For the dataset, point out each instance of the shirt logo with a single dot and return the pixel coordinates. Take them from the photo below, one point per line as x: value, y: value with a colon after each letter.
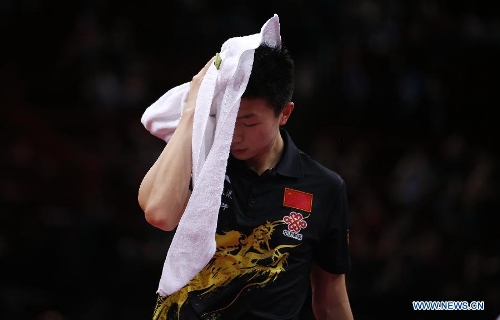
x: 297, y: 199
x: 295, y: 222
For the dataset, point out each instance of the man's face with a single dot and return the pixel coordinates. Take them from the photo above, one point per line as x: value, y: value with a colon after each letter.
x: 256, y: 129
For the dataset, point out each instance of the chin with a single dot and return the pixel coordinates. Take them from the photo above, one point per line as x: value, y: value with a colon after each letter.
x: 240, y: 154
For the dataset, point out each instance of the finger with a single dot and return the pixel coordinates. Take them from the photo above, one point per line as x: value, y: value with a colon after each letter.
x: 205, y: 68
x: 196, y: 81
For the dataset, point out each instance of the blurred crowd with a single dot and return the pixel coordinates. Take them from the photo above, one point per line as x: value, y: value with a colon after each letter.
x: 396, y: 96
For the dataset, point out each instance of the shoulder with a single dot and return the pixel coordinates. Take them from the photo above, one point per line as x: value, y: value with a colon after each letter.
x: 314, y: 170
x: 296, y: 163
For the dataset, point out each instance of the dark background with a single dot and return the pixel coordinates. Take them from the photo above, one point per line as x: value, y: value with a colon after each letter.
x: 399, y: 97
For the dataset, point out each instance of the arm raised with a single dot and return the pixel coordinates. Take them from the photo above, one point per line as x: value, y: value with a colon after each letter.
x: 164, y: 190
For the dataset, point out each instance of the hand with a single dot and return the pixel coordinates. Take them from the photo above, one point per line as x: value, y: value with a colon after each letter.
x: 194, y: 87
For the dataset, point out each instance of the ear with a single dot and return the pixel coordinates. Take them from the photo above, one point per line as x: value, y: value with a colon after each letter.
x: 285, y: 114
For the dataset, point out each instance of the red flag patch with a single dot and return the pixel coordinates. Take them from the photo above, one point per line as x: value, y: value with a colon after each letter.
x: 298, y: 199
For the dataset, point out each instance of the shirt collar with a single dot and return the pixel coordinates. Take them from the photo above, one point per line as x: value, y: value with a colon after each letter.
x: 290, y: 164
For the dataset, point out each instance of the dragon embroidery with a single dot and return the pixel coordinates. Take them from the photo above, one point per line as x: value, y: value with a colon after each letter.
x: 236, y: 256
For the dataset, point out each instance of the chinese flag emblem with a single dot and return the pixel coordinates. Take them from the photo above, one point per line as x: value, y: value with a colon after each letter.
x: 298, y: 199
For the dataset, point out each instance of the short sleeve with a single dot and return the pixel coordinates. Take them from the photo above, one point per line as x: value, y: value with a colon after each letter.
x: 332, y: 251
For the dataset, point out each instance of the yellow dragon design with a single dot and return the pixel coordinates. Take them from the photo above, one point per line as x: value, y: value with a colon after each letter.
x: 237, y: 255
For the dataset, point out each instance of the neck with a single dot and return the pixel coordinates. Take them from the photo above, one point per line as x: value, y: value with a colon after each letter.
x: 269, y: 159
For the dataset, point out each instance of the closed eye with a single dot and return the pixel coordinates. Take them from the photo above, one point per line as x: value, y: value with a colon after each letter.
x: 250, y: 124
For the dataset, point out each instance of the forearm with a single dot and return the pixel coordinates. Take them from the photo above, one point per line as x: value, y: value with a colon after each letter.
x: 329, y: 299
x: 338, y: 311
x: 164, y: 191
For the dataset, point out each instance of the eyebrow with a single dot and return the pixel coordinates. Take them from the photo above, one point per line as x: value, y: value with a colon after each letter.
x: 247, y: 116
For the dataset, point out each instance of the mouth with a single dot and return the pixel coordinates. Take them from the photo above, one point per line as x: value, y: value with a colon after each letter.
x: 237, y: 149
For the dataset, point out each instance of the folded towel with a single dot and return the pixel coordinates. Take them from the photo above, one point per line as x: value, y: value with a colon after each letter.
x: 217, y: 105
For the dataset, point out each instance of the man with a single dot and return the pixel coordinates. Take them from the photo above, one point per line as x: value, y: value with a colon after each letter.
x: 282, y: 230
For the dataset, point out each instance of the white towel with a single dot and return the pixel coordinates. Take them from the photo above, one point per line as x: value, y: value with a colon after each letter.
x: 217, y: 105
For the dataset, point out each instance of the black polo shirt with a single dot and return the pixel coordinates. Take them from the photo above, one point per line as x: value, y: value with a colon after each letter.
x: 270, y: 229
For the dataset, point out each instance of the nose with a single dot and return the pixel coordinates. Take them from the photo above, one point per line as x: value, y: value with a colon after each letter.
x: 237, y: 134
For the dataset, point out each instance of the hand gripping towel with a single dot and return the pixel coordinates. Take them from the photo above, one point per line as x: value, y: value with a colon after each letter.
x: 217, y: 104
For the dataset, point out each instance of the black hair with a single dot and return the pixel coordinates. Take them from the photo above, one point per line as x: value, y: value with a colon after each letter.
x: 272, y: 77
